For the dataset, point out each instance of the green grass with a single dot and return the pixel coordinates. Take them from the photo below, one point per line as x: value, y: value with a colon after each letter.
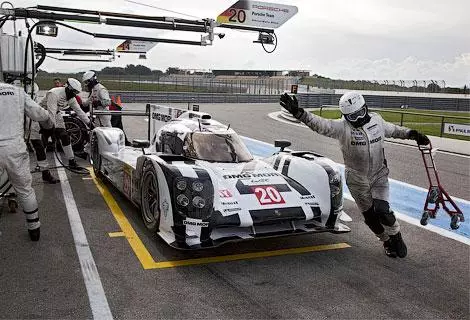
x: 425, y: 122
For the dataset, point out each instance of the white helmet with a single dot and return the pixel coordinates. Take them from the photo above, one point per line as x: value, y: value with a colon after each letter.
x: 74, y: 85
x: 87, y: 76
x: 354, y: 108
x: 351, y: 102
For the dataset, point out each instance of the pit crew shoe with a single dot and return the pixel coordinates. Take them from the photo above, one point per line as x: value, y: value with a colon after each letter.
x: 399, y: 245
x: 48, y: 177
x: 34, y: 234
x: 73, y: 164
x: 389, y: 249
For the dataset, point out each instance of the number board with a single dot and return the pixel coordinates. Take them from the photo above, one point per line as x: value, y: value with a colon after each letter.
x: 257, y: 14
x: 267, y: 195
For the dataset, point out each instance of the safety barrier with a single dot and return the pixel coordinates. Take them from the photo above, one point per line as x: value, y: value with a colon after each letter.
x: 185, y: 97
x: 376, y: 101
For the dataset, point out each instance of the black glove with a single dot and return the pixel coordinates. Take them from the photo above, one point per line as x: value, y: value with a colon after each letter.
x: 420, y: 138
x: 292, y: 105
x: 96, y: 103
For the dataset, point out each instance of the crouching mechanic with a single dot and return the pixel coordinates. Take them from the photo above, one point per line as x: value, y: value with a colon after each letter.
x: 14, y: 157
x: 56, y: 100
x: 361, y: 135
x: 99, y: 97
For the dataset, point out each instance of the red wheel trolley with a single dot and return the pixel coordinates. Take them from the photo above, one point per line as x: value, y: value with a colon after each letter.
x: 437, y: 196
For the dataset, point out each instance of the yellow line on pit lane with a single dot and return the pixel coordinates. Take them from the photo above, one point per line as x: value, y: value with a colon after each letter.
x: 246, y: 256
x: 148, y: 262
x: 136, y: 244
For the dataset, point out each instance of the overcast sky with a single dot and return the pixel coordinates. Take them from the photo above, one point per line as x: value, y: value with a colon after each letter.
x: 342, y: 39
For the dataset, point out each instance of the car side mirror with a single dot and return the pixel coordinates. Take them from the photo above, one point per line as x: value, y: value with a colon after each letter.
x: 282, y: 144
x: 137, y: 143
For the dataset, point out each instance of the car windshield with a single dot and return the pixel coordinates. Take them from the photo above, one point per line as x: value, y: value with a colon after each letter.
x: 210, y: 146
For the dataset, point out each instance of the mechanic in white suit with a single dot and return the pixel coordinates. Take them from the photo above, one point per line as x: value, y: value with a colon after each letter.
x: 58, y: 99
x: 36, y: 141
x: 361, y: 136
x: 99, y: 97
x: 14, y: 104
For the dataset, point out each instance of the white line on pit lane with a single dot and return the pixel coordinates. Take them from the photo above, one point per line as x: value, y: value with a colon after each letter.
x: 402, y: 216
x: 414, y: 221
x: 275, y: 116
x: 96, y: 296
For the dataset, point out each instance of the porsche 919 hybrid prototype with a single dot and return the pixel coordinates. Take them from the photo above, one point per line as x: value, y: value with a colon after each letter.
x: 197, y: 185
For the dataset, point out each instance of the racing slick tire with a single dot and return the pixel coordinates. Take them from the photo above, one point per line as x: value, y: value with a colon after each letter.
x: 95, y: 156
x: 149, y: 197
x: 77, y: 131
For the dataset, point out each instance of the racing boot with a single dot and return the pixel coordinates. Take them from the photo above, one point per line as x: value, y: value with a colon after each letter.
x: 73, y: 164
x: 48, y: 177
x: 389, y: 249
x: 399, y: 245
x: 34, y: 234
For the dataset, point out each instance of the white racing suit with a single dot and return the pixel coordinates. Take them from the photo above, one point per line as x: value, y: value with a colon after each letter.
x: 14, y: 158
x: 55, y: 101
x: 365, y: 165
x: 99, y: 99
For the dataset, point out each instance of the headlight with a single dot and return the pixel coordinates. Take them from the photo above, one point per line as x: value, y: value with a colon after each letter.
x: 181, y: 185
x: 182, y: 200
x: 335, y: 178
x: 334, y: 190
x: 199, y: 202
x: 198, y: 186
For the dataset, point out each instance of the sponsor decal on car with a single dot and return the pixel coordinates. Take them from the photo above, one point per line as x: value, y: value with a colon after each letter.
x: 250, y: 175
x: 161, y: 117
x: 127, y: 180
x: 224, y: 193
x: 165, y: 207
x: 195, y: 223
x: 230, y: 203
x: 232, y: 209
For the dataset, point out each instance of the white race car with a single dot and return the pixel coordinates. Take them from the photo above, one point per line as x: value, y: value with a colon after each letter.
x: 197, y: 185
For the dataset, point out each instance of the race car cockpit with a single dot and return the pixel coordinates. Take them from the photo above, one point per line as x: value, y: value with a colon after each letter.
x: 217, y: 147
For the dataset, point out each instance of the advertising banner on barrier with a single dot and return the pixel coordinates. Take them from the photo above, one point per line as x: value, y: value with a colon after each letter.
x: 457, y: 128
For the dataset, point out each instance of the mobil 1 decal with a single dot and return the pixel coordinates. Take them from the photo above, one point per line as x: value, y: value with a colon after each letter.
x: 257, y: 14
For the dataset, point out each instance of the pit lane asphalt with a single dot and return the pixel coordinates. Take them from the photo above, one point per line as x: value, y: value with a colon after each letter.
x: 43, y: 280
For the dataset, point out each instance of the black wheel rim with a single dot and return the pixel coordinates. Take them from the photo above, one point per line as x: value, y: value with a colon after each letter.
x: 150, y: 198
x: 75, y: 132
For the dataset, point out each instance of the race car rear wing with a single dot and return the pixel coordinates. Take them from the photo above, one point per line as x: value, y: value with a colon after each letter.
x: 160, y: 115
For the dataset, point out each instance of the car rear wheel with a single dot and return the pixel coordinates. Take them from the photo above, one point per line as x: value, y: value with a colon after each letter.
x: 150, y: 199
x: 77, y: 132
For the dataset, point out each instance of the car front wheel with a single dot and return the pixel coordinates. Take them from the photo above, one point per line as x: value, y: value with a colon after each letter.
x: 150, y: 200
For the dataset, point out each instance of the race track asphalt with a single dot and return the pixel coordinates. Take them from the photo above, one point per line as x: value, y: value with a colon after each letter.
x: 44, y: 280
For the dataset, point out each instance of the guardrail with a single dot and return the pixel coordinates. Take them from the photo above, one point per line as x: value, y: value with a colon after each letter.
x: 193, y: 97
x: 374, y: 101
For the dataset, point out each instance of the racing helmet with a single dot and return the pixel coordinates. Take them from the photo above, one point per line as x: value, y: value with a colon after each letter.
x: 72, y: 88
x: 354, y: 108
x: 89, y: 79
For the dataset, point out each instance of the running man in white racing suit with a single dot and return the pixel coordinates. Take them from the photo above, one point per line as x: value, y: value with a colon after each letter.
x: 56, y: 100
x: 361, y: 136
x: 99, y: 97
x: 14, y: 158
